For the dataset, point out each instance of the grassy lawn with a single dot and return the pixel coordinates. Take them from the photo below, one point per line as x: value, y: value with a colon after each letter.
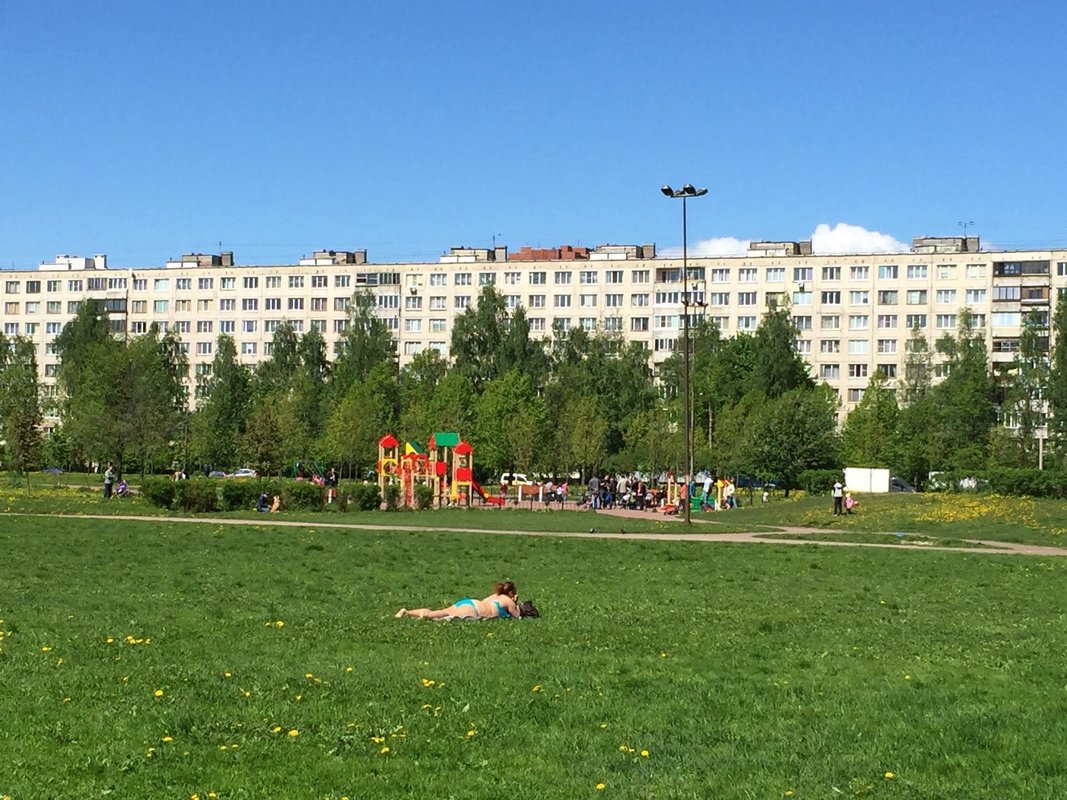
x: 158, y: 660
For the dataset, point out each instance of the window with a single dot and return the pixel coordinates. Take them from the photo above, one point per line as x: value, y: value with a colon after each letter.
x: 917, y: 297
x: 887, y: 321
x: 204, y: 326
x: 339, y: 326
x: 746, y: 323
x: 1061, y: 269
x: 53, y: 307
x: 248, y: 348
x: 803, y: 345
x: 412, y: 348
x: 183, y: 305
x: 857, y: 370
x: 461, y: 279
x: 562, y: 278
x: 917, y: 272
x: 250, y: 282
x: 720, y: 276
x: 719, y: 299
x: 1006, y: 319
x: 639, y: 324
x: 858, y: 322
x: 53, y: 286
x: 96, y: 284
x: 537, y: 324
x: 72, y: 306
x: 855, y: 395
x: 160, y: 285
x: 639, y: 300
x: 413, y: 325
x: 272, y: 304
x: 889, y: 297
x: 227, y: 305
x: 53, y: 328
x: 227, y: 283
x: 831, y: 273
x: 1006, y: 293
x: 249, y: 326
x: 887, y: 370
x: 296, y: 303
x: 33, y: 308
x: 859, y: 298
x: 915, y: 321
x: 775, y: 274
x: 640, y: 276
x: 486, y: 279
x: 295, y: 282
x: 857, y: 346
x: 160, y: 307
x: 319, y: 303
x: 802, y: 323
x: 342, y: 281
x: 438, y: 303
x: 946, y: 297
x: 830, y: 322
x: 887, y: 345
x: 11, y: 328
x: 273, y: 281
x: 538, y: 278
x: 829, y: 371
x: 976, y: 270
x: 802, y: 274
x: 249, y: 304
x: 888, y: 272
x: 201, y: 283
x: 722, y: 323
x: 831, y: 298
x: 298, y: 324
x: 746, y: 275
x: 536, y: 301
x: 829, y: 345
x: 437, y: 326
x: 613, y: 301
x: 746, y: 299
x: 319, y: 281
x: 227, y: 326
x: 802, y: 298
x: 586, y: 277
x: 588, y: 323
x: 946, y: 272
x: 561, y: 323
x: 975, y: 296
x: 462, y: 302
x: 587, y: 300
x: 139, y: 306
x: 72, y: 286
x: 410, y: 303
x: 859, y: 273
x: 561, y: 301
x: 203, y: 348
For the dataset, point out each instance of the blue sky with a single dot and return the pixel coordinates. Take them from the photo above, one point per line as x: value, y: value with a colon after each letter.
x: 146, y: 129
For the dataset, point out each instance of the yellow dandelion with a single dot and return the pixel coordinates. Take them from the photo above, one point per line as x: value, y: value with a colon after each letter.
x: 158, y: 693
x: 384, y: 750
x: 600, y: 787
x: 168, y: 738
x: 110, y: 640
x: 276, y: 729
x: 427, y: 683
x: 59, y: 661
x: 788, y: 793
x: 299, y: 697
x: 308, y: 675
x: 294, y: 733
x: 907, y: 677
x: 222, y: 747
x: 279, y: 624
x: 227, y: 674
x: 471, y: 733
x: 644, y: 754
x: 66, y: 699
x: 212, y: 796
x: 889, y: 776
x: 46, y: 649
x: 603, y: 725
x: 348, y: 669
x: 536, y: 688
x: 247, y: 693
x: 623, y: 748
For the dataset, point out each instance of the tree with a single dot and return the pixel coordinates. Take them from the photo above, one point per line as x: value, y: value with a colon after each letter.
x: 796, y: 431
x: 364, y: 345
x: 224, y: 407
x: 360, y: 418
x: 917, y: 370
x: 1024, y: 396
x: 480, y: 338
x: 20, y: 408
x: 868, y: 438
x: 1057, y: 382
x: 510, y: 423
x: 777, y: 366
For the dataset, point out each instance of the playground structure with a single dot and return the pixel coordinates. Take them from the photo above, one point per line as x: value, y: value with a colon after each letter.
x: 446, y: 466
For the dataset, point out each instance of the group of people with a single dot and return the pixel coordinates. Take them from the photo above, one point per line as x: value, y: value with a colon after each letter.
x: 844, y: 503
x: 110, y: 489
x: 503, y: 603
x: 268, y: 505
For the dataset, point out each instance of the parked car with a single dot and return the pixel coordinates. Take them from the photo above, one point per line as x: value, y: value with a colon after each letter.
x: 244, y: 472
x: 216, y: 473
x: 899, y: 485
x: 514, y: 479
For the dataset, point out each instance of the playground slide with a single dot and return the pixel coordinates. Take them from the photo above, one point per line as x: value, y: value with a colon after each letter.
x: 496, y: 501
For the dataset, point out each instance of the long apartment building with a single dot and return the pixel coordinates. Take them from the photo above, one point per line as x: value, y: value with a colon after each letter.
x: 853, y: 313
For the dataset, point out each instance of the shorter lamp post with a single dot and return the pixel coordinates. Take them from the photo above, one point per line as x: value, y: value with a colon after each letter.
x: 685, y: 193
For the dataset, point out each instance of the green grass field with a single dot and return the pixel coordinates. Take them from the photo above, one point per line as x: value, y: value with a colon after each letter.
x: 165, y: 660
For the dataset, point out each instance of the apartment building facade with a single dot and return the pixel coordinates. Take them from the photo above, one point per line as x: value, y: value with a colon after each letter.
x: 853, y: 313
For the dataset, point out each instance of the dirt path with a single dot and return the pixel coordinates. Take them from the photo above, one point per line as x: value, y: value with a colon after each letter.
x: 976, y: 546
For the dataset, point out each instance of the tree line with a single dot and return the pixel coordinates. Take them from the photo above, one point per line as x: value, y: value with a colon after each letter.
x: 577, y: 401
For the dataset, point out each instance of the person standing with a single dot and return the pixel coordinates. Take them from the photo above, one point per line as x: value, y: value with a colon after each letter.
x: 838, y: 497
x: 594, y: 491
x: 109, y: 480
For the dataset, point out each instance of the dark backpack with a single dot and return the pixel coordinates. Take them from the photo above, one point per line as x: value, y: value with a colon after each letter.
x: 528, y: 609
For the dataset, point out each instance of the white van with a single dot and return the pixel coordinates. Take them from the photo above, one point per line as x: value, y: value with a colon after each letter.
x: 514, y: 479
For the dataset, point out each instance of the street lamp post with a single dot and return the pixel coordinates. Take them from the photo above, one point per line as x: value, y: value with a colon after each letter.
x: 685, y: 193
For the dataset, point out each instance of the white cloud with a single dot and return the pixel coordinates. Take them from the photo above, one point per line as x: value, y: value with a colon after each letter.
x: 844, y: 238
x: 718, y: 246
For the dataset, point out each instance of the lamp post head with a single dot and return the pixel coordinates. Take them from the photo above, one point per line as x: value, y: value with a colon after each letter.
x: 667, y: 190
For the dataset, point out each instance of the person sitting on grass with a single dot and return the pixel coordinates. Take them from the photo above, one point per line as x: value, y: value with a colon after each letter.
x: 502, y: 603
x: 263, y: 503
x: 276, y: 505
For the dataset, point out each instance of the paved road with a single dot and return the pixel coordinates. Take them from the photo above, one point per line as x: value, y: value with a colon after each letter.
x: 976, y: 546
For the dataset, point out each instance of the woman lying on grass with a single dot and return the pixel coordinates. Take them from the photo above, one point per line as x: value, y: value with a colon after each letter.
x: 503, y: 603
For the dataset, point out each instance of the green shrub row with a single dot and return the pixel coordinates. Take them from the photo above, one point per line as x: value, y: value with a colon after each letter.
x: 206, y: 494
x: 819, y: 481
x: 1014, y: 482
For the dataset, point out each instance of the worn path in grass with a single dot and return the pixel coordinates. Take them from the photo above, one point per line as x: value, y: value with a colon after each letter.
x: 972, y: 545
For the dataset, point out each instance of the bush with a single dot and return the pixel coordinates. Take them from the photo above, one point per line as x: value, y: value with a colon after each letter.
x: 391, y: 496
x: 819, y: 481
x: 423, y: 496
x: 303, y: 496
x: 158, y: 491
x: 239, y: 495
x: 196, y: 494
x: 365, y: 496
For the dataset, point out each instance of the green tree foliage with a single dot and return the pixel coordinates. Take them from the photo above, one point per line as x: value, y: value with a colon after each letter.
x: 869, y: 436
x: 360, y: 418
x: 1027, y: 384
x: 510, y: 424
x: 487, y: 342
x: 20, y: 408
x: 364, y: 345
x: 1057, y: 382
x: 777, y: 366
x: 225, y: 401
x: 794, y: 432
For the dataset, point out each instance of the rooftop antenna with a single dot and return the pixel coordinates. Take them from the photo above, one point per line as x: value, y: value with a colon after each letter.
x: 494, y: 239
x: 965, y: 226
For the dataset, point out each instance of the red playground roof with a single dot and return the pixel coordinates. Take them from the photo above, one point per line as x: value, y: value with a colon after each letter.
x: 463, y: 449
x: 388, y: 441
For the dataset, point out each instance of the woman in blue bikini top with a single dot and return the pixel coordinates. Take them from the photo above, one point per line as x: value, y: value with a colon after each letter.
x: 501, y: 603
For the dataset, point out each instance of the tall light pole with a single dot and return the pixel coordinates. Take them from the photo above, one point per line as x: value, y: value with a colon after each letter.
x: 685, y: 193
